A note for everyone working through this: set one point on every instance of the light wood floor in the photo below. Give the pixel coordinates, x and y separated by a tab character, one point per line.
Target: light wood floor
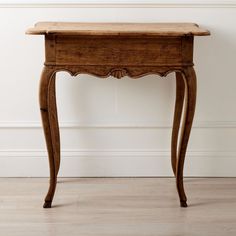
114	207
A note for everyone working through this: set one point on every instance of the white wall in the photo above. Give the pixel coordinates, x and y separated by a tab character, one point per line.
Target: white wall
117	127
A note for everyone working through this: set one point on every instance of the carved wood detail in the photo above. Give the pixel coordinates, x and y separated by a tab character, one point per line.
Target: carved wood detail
106	71
118	73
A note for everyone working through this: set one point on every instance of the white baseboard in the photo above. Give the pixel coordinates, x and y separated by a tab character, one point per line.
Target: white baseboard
116	163
79	125
22	152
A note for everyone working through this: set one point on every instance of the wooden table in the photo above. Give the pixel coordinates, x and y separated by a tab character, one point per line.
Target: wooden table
118	50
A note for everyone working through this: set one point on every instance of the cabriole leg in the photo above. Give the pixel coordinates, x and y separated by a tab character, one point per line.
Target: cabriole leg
179	101
48	108
190	82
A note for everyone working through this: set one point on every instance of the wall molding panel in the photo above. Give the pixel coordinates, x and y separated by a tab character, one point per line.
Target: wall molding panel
117	4
107	128
116	163
76	125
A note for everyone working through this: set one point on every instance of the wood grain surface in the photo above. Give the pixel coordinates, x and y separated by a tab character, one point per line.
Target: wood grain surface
115	29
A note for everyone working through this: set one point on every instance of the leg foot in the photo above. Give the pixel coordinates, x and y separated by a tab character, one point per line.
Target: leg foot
47	204
183	204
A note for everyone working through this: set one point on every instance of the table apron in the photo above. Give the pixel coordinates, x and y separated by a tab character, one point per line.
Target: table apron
118	51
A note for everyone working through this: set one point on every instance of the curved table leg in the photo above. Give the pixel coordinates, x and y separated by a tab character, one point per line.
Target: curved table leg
47	97
189	109
179	101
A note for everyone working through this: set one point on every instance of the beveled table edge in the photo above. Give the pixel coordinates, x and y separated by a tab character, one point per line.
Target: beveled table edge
61	28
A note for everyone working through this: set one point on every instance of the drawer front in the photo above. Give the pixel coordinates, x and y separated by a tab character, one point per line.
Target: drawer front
74	50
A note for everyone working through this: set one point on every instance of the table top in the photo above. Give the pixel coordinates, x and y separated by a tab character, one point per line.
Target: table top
118	29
